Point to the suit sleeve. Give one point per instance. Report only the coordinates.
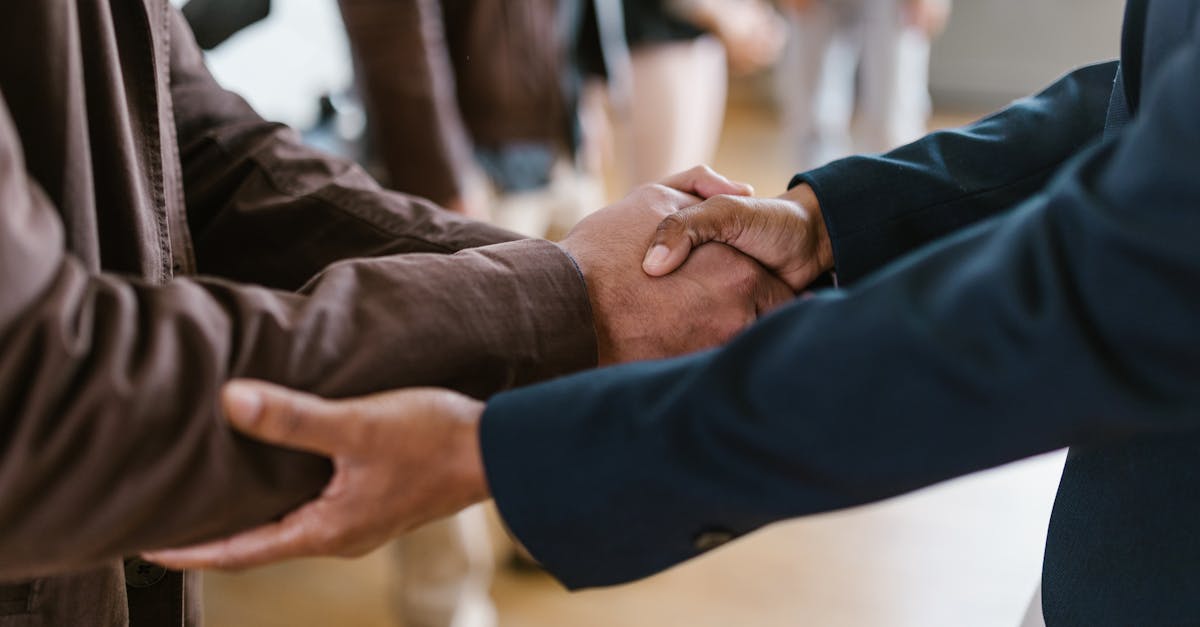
(110, 436)
(1070, 320)
(877, 208)
(266, 209)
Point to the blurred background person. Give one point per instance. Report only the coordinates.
(486, 88)
(681, 53)
(872, 55)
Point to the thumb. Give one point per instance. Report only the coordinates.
(686, 229)
(285, 417)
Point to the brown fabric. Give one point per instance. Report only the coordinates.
(92, 597)
(125, 172)
(439, 77)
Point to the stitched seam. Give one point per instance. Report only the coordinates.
(178, 197)
(151, 148)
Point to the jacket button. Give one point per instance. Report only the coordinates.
(142, 574)
(711, 539)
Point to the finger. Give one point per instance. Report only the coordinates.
(292, 537)
(288, 418)
(704, 182)
(686, 229)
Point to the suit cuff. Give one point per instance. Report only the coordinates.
(834, 197)
(567, 463)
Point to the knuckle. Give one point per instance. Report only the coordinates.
(651, 193)
(667, 195)
(723, 212)
(728, 206)
(673, 224)
(722, 201)
(699, 221)
(654, 189)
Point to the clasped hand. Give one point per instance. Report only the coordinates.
(405, 458)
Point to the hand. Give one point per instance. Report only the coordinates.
(752, 32)
(929, 16)
(712, 296)
(786, 234)
(400, 460)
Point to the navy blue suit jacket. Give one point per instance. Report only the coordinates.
(1026, 283)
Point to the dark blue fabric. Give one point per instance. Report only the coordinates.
(1069, 319)
(651, 21)
(880, 207)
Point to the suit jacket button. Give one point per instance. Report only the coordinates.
(711, 539)
(142, 574)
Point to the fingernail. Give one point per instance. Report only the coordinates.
(242, 402)
(657, 256)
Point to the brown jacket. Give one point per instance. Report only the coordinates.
(444, 76)
(138, 204)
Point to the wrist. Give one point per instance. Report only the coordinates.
(468, 472)
(595, 287)
(804, 197)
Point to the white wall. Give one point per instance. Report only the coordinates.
(283, 64)
(997, 50)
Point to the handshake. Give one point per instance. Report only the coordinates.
(668, 274)
(675, 267)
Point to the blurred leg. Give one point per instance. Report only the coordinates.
(817, 83)
(677, 108)
(443, 572)
(577, 192)
(894, 79)
(528, 213)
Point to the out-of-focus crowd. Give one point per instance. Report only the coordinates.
(517, 109)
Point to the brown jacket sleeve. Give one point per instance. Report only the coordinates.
(265, 208)
(402, 59)
(110, 439)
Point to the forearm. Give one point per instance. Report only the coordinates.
(100, 372)
(877, 208)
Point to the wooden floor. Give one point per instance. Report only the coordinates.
(967, 553)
